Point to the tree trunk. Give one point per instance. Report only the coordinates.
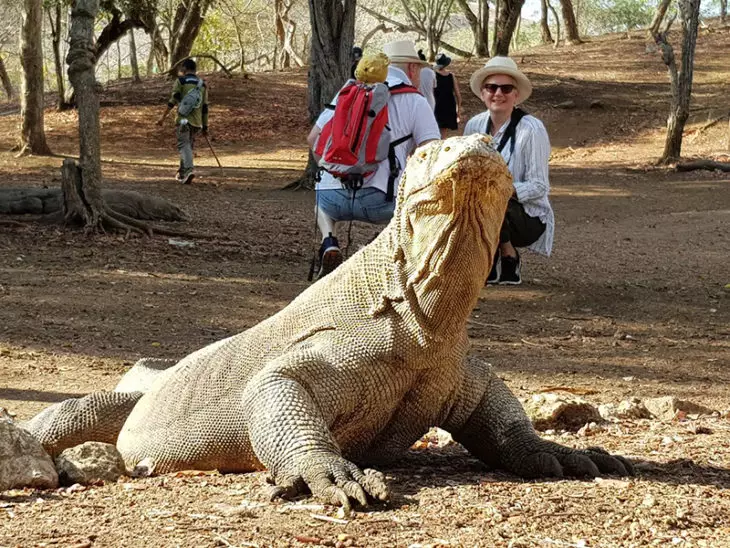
(478, 28)
(723, 11)
(281, 12)
(661, 12)
(57, 62)
(508, 15)
(556, 41)
(119, 61)
(133, 57)
(82, 181)
(681, 80)
(571, 26)
(188, 30)
(333, 32)
(32, 133)
(7, 84)
(545, 35)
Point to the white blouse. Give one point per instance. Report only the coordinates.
(529, 168)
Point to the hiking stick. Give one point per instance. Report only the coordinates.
(213, 151)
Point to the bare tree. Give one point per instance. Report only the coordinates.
(81, 181)
(545, 35)
(681, 78)
(5, 79)
(571, 26)
(556, 41)
(417, 25)
(506, 22)
(133, 57)
(285, 29)
(431, 16)
(32, 133)
(479, 23)
(333, 33)
(723, 11)
(55, 20)
(661, 12)
(188, 20)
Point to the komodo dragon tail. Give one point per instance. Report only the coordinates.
(95, 417)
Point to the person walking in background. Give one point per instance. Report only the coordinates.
(190, 92)
(447, 95)
(428, 82)
(356, 55)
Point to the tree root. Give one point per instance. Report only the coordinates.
(709, 165)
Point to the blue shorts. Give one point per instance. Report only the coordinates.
(369, 205)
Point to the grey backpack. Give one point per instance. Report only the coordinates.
(192, 100)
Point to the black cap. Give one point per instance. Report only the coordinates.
(356, 52)
(443, 60)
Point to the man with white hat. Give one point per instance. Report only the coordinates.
(524, 144)
(411, 120)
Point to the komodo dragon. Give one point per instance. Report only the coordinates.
(356, 369)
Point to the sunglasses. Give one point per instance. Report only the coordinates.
(506, 88)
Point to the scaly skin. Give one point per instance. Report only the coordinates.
(361, 364)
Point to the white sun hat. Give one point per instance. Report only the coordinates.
(402, 51)
(501, 65)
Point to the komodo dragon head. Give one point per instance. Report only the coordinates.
(445, 230)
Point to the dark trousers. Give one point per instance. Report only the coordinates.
(518, 227)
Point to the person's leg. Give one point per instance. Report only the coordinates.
(185, 147)
(332, 206)
(518, 230)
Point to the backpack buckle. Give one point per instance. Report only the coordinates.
(353, 182)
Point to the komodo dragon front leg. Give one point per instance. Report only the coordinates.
(489, 421)
(288, 421)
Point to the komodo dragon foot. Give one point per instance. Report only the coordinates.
(332, 479)
(529, 456)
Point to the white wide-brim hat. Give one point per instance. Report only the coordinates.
(501, 65)
(402, 51)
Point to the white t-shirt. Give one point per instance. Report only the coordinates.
(428, 83)
(408, 114)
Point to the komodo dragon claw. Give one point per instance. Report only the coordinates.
(333, 480)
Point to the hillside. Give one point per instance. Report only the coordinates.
(633, 303)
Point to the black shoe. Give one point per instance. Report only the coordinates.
(330, 256)
(510, 274)
(187, 177)
(496, 269)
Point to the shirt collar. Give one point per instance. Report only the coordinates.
(397, 76)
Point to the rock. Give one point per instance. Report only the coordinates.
(632, 408)
(90, 462)
(566, 104)
(560, 411)
(597, 104)
(23, 461)
(668, 408)
(6, 415)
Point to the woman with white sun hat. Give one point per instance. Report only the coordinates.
(525, 146)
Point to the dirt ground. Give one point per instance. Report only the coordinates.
(633, 303)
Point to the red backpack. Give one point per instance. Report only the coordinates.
(357, 138)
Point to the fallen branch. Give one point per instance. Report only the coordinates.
(204, 56)
(707, 125)
(709, 165)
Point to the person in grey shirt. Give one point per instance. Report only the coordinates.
(525, 146)
(428, 82)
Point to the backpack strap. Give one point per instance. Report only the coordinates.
(395, 167)
(394, 164)
(510, 134)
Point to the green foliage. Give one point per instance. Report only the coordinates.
(603, 16)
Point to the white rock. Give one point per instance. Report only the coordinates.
(668, 407)
(559, 411)
(23, 461)
(90, 462)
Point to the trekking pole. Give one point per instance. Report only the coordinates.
(214, 154)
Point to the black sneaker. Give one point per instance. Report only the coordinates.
(496, 269)
(330, 256)
(187, 178)
(510, 274)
